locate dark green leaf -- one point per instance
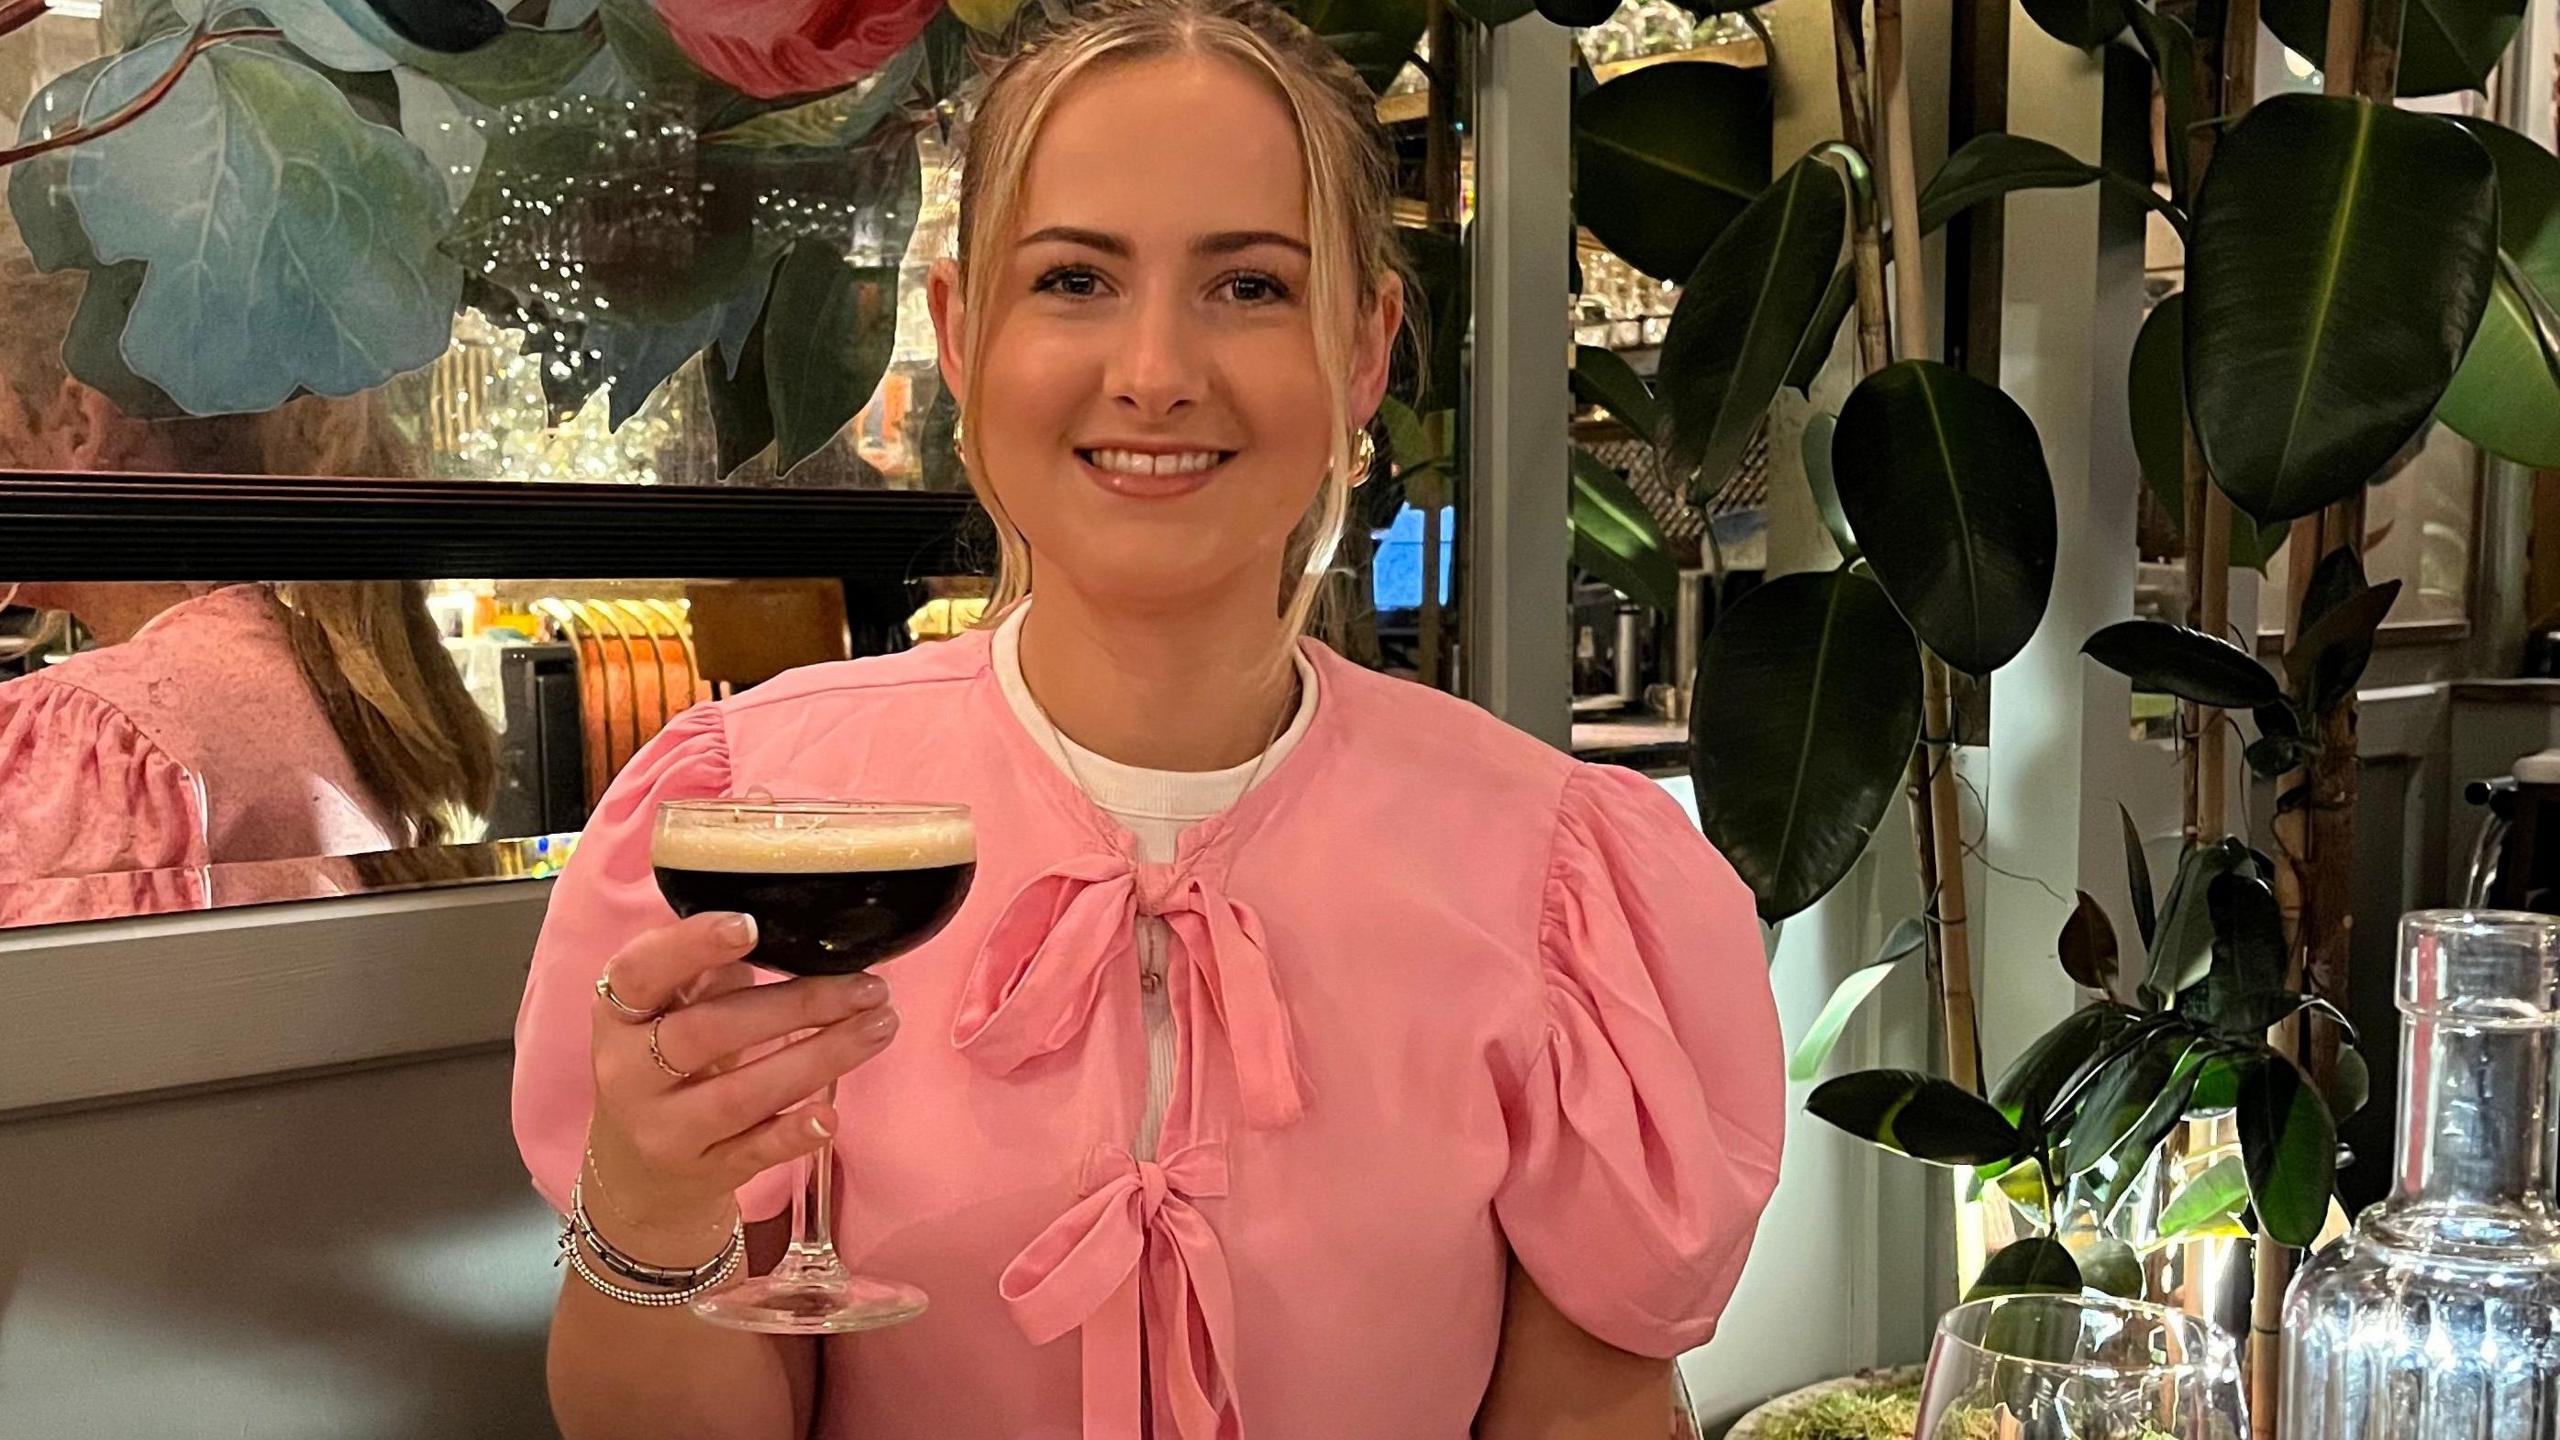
(1378, 58)
(1944, 481)
(2172, 48)
(2501, 399)
(2156, 403)
(2243, 989)
(1919, 1115)
(2057, 1058)
(2290, 1144)
(2277, 722)
(2085, 23)
(1838, 299)
(1990, 166)
(2272, 757)
(2023, 1184)
(2137, 871)
(2088, 946)
(2119, 1100)
(2182, 951)
(2107, 1264)
(1818, 433)
(2330, 655)
(2171, 659)
(1493, 13)
(1668, 156)
(2352, 1086)
(2343, 252)
(2213, 1198)
(1577, 14)
(2033, 1266)
(827, 340)
(2445, 45)
(2336, 579)
(322, 273)
(1824, 1035)
(2218, 1082)
(1604, 378)
(1742, 316)
(654, 65)
(1615, 536)
(1806, 707)
(1437, 257)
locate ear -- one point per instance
(950, 324)
(1376, 348)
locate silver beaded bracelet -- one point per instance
(708, 1276)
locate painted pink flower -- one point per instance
(773, 48)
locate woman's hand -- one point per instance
(669, 1153)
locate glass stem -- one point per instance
(813, 1210)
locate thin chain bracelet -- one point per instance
(685, 1283)
(654, 1298)
(596, 1168)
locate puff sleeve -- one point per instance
(605, 897)
(1645, 1127)
(84, 792)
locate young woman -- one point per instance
(1315, 1056)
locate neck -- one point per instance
(112, 613)
(1183, 688)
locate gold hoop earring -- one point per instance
(1364, 457)
(959, 440)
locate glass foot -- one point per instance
(811, 1298)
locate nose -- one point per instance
(1155, 368)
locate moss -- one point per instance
(1883, 1413)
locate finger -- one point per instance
(651, 971)
(711, 984)
(695, 1037)
(778, 1141)
(728, 1104)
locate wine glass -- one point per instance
(835, 886)
(2080, 1367)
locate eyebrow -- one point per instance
(1225, 242)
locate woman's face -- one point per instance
(1152, 316)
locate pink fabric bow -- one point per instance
(1136, 1229)
(1041, 970)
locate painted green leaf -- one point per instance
(2167, 659)
(1667, 156)
(1918, 1115)
(288, 242)
(2034, 1266)
(2445, 45)
(313, 26)
(450, 129)
(741, 404)
(2214, 1197)
(1408, 442)
(2156, 403)
(1806, 707)
(1742, 317)
(124, 24)
(1944, 481)
(466, 44)
(2290, 1144)
(827, 340)
(833, 122)
(2343, 253)
(1616, 538)
(1905, 941)
(40, 188)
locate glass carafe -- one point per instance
(2439, 1316)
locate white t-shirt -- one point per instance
(1157, 806)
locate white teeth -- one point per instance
(1131, 462)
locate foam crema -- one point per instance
(879, 843)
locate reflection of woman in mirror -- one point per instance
(219, 723)
(1316, 1055)
(224, 723)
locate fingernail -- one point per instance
(817, 1127)
(738, 930)
(866, 989)
(879, 1023)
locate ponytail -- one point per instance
(373, 656)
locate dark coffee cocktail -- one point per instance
(826, 900)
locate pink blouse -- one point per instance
(1442, 995)
(194, 743)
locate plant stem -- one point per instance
(141, 104)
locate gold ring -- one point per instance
(659, 1055)
(604, 987)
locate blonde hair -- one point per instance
(374, 659)
(1350, 186)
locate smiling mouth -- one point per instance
(1145, 466)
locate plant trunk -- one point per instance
(1879, 126)
(2316, 836)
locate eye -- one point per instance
(1255, 288)
(1064, 278)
